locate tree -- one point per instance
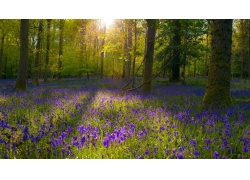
(60, 48)
(46, 73)
(102, 53)
(176, 43)
(148, 63)
(128, 49)
(23, 64)
(134, 59)
(218, 84)
(38, 52)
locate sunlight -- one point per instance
(107, 22)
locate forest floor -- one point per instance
(80, 118)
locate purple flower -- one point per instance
(180, 155)
(167, 152)
(245, 149)
(106, 142)
(216, 155)
(81, 129)
(208, 142)
(26, 130)
(196, 153)
(75, 141)
(193, 142)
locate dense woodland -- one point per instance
(62, 59)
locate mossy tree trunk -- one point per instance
(46, 73)
(176, 43)
(38, 52)
(21, 83)
(218, 84)
(148, 63)
(60, 49)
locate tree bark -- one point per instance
(21, 83)
(46, 73)
(38, 53)
(133, 65)
(148, 63)
(1, 55)
(60, 49)
(176, 42)
(128, 50)
(218, 84)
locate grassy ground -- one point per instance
(95, 119)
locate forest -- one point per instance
(124, 88)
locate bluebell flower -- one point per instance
(81, 129)
(75, 141)
(216, 155)
(180, 155)
(106, 142)
(245, 149)
(196, 153)
(193, 143)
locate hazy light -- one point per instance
(107, 22)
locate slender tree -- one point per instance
(148, 63)
(134, 59)
(60, 49)
(38, 53)
(128, 50)
(102, 54)
(21, 83)
(218, 84)
(46, 73)
(1, 55)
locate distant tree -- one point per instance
(62, 21)
(218, 84)
(148, 63)
(1, 55)
(38, 53)
(21, 83)
(46, 73)
(102, 53)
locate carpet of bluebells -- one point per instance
(80, 118)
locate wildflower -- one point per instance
(193, 142)
(208, 142)
(75, 141)
(180, 155)
(26, 130)
(245, 149)
(216, 155)
(155, 149)
(224, 157)
(167, 152)
(175, 133)
(196, 153)
(81, 129)
(106, 142)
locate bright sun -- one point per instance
(108, 22)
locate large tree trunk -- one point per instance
(176, 42)
(38, 53)
(218, 84)
(133, 65)
(60, 49)
(148, 63)
(21, 83)
(46, 73)
(1, 55)
(102, 54)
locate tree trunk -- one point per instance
(46, 73)
(148, 63)
(38, 53)
(176, 61)
(102, 54)
(249, 49)
(218, 84)
(21, 83)
(60, 49)
(1, 55)
(133, 65)
(206, 58)
(128, 50)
